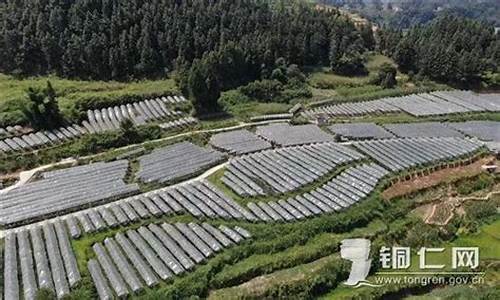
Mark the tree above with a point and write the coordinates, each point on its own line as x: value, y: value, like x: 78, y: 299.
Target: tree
x: 449, y: 49
x: 100, y: 39
x: 405, y: 56
x: 350, y: 64
x: 129, y: 131
x: 42, y: 109
x: 386, y: 76
x: 51, y: 106
x: 203, y: 87
x: 367, y: 36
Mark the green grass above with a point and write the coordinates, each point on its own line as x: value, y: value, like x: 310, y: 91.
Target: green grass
x: 71, y: 92
x: 486, y: 239
x: 324, y: 78
x: 319, y: 246
x: 333, y: 88
x: 249, y: 109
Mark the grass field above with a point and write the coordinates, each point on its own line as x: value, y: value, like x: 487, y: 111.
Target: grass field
x: 323, y: 78
x: 486, y: 239
x: 288, y: 267
x: 74, y: 92
x: 332, y: 87
x: 248, y: 109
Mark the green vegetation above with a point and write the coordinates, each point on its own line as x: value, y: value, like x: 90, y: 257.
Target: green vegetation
x: 481, y: 182
x: 75, y: 97
x: 386, y: 76
x: 42, y: 109
x: 323, y: 78
x: 460, y: 292
x: 97, y: 40
x: 315, y: 277
x: 330, y: 88
x: 485, y: 238
x: 449, y: 49
x: 319, y: 246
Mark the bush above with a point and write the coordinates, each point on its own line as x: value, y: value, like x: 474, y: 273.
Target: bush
x: 232, y: 97
x: 293, y: 72
x: 470, y: 185
x: 290, y: 94
x: 422, y: 235
x: 263, y: 90
x: 94, y: 143
x: 350, y: 64
x: 479, y: 211
x: 45, y: 294
x: 386, y: 76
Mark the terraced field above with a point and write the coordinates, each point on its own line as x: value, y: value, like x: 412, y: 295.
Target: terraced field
x: 154, y: 223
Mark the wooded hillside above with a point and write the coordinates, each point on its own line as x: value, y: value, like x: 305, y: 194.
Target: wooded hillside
x: 112, y: 39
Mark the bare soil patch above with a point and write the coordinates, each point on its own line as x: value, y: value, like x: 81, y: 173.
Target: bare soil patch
x: 445, y: 175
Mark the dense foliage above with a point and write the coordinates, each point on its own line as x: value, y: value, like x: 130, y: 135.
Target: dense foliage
x: 386, y: 76
x: 103, y: 39
x: 449, y: 49
x: 42, y: 109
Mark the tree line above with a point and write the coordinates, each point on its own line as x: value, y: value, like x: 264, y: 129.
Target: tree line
x: 449, y: 49
x: 122, y: 40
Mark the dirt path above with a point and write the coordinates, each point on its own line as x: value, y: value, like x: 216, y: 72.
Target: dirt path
x: 407, y: 187
x: 450, y: 206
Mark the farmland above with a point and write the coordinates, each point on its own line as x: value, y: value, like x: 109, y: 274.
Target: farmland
x: 244, y: 150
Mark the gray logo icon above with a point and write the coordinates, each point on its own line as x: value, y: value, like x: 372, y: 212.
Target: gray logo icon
x: 357, y: 251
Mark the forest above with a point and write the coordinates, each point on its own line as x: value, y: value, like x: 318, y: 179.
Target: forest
x: 102, y: 39
x: 449, y: 49
x: 260, y: 47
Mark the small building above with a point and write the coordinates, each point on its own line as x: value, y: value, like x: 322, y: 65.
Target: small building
x: 321, y: 119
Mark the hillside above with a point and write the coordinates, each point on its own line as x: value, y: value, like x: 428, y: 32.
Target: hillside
x: 402, y: 14
x: 101, y: 40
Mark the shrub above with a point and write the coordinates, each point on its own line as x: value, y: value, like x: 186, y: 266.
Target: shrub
x: 350, y: 64
x: 45, y: 294
x: 386, y: 76
x: 232, y: 97
x: 263, y: 90
x: 479, y: 211
x: 470, y: 185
